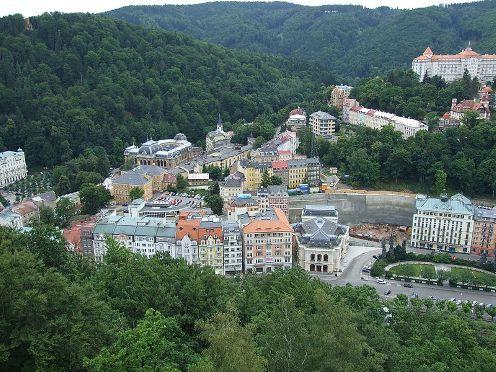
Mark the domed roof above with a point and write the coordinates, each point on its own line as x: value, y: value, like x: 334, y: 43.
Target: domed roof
x: 180, y: 137
x: 468, y: 52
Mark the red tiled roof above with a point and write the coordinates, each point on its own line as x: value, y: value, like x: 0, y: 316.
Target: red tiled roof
x: 280, y: 164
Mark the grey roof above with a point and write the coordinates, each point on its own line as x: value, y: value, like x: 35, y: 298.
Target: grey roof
x: 323, y: 115
x: 320, y: 210
x: 482, y: 213
x: 280, y: 190
x: 131, y: 178
x: 135, y: 226
x: 48, y: 196
x: 231, y: 227
x: 210, y: 224
x: 231, y: 182
x: 244, y: 201
x: 152, y: 170
x: 320, y: 232
x: 456, y: 204
x: 303, y: 162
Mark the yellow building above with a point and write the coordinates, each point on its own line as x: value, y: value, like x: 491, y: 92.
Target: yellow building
x: 122, y: 186
x: 253, y: 172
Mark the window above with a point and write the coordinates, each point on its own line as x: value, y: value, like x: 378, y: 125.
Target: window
x: 312, y: 257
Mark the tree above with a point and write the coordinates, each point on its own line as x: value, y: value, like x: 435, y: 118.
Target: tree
x: 93, y: 197
x: 65, y: 209
x: 259, y: 141
x: 214, y: 189
x: 230, y: 345
x: 63, y: 185
x: 470, y: 118
x: 275, y: 180
x: 157, y: 344
x: 265, y: 179
x: 439, y: 182
x: 47, y: 216
x: 181, y: 183
x: 363, y: 170
x: 136, y: 193
x: 215, y: 203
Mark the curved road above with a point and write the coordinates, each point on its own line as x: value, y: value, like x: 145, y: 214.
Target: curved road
x: 353, y: 275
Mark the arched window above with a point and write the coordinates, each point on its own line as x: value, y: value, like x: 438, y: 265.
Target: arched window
x: 312, y: 257
x: 319, y: 257
x: 324, y: 269
x: 312, y: 267
x: 326, y: 258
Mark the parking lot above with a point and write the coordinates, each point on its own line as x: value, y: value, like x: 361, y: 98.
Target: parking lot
x: 180, y: 200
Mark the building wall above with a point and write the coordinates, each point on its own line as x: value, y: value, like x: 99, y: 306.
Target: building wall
x: 266, y: 251
x: 120, y: 192
x: 12, y: 167
x: 484, y: 237
x: 442, y: 231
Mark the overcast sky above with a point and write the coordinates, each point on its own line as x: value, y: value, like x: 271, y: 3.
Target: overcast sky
x: 35, y: 7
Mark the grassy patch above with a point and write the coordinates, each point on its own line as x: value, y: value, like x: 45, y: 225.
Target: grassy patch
x: 415, y: 271
x: 468, y: 276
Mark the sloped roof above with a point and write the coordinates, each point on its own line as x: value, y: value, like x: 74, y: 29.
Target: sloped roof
x: 131, y: 178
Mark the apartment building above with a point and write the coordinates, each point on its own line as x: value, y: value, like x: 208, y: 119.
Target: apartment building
x: 322, y: 124
x: 267, y: 242
x: 144, y: 235
x: 484, y: 236
x: 233, y: 247
x: 12, y: 167
x: 306, y: 170
x: 273, y: 196
x: 444, y: 224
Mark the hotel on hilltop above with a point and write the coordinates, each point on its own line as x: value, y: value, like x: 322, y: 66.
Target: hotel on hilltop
x: 452, y: 66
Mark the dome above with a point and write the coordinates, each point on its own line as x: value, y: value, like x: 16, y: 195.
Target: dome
x: 180, y: 137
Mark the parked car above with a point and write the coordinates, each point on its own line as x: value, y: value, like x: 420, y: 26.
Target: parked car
x: 381, y: 281
x: 388, y: 292
x: 408, y: 285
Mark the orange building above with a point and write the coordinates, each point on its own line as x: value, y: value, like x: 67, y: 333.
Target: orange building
x: 268, y: 242
x: 484, y: 235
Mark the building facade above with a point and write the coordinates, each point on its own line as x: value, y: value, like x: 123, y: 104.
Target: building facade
x: 297, y: 119
x: 326, y: 212
x: 355, y: 114
x: 322, y: 124
x: 167, y: 153
x: 338, y: 95
x: 322, y: 243
x: 233, y: 248
x: 273, y: 196
x: 146, y: 235
x: 217, y: 138
x: 443, y: 224
x: 452, y: 66
x: 267, y: 240
x: 484, y: 236
x: 12, y: 167
x: 123, y: 184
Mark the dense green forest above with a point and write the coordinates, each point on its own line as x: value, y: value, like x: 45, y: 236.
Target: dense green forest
x: 353, y: 40
x: 60, y: 312
x: 79, y: 81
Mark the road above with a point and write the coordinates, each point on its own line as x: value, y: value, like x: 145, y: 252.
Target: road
x: 352, y: 274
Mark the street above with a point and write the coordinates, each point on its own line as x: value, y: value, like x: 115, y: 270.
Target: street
x: 352, y: 274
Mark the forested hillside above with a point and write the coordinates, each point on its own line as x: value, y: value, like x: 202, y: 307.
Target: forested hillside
x: 60, y: 313
x: 78, y: 81
x: 352, y: 40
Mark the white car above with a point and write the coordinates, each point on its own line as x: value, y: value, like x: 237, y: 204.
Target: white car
x: 381, y: 281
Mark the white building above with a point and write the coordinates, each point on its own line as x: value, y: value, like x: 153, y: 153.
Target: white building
x: 297, y: 119
x: 144, y: 235
x: 233, y: 247
x: 443, y: 223
x: 374, y: 119
x: 451, y: 67
x: 322, y: 244
x: 12, y: 167
x: 322, y: 124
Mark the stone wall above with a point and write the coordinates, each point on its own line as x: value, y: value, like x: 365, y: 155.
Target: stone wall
x: 356, y: 208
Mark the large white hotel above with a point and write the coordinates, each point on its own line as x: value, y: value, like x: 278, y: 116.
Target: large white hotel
x: 12, y: 167
x: 452, y: 66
